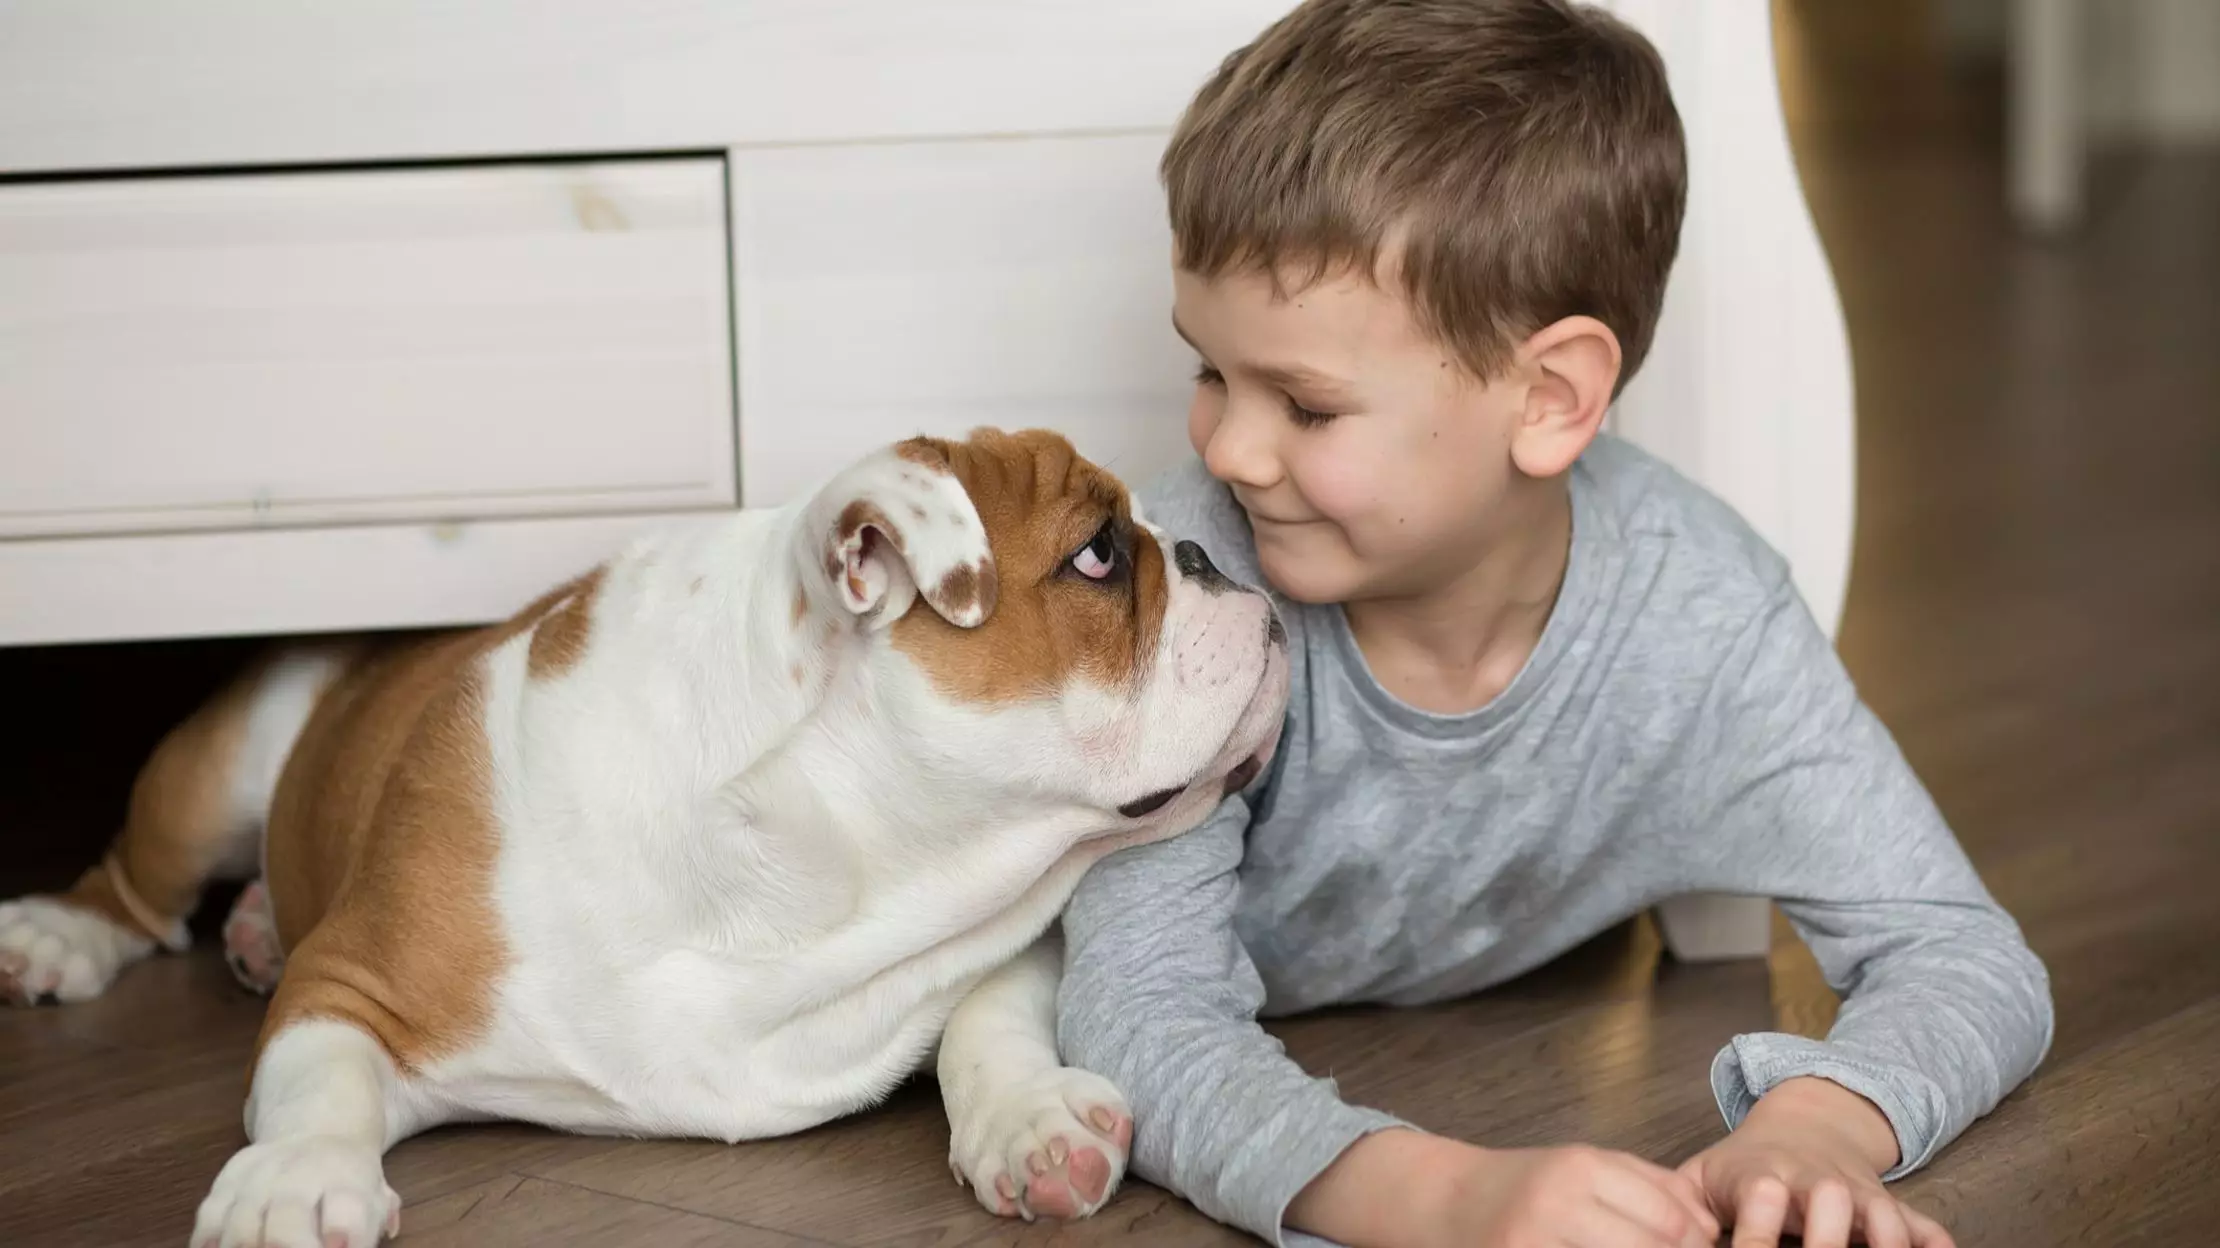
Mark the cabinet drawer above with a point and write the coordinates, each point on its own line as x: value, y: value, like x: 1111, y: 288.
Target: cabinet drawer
x: 407, y: 344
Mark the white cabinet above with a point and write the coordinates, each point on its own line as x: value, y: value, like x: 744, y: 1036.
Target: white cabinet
x: 891, y: 289
x: 376, y: 316
x: 313, y: 348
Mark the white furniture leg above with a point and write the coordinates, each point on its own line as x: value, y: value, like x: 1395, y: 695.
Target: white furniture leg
x: 1751, y: 316
x: 1716, y: 927
x: 2043, y: 116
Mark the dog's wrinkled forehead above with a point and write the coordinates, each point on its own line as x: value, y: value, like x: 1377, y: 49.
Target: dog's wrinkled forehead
x: 1081, y: 587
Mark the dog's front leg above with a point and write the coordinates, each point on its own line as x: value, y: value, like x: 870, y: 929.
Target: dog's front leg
x: 318, y: 1118
x: 1031, y: 1135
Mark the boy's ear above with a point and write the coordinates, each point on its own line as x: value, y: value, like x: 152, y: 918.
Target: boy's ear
x: 1571, y: 368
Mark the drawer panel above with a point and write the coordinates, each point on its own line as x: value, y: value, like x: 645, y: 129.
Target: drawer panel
x: 407, y: 344
x: 889, y: 289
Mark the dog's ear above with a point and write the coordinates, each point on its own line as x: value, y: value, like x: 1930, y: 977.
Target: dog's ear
x: 897, y: 526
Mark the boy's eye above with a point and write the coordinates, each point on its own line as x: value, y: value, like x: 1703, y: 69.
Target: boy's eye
x: 1304, y: 418
x: 1098, y: 558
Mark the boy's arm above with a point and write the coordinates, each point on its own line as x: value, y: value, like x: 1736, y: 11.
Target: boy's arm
x: 1160, y: 998
x: 1808, y: 800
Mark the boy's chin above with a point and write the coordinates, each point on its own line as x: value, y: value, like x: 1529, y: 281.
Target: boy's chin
x: 1314, y: 577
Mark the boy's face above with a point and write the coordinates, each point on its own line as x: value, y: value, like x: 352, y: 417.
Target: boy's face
x: 1369, y: 460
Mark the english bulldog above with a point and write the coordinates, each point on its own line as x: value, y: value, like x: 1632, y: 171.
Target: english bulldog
x: 722, y: 840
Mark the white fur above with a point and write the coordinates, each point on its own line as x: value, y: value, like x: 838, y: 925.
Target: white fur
x: 48, y: 946
x: 751, y: 869
x: 284, y: 697
x: 745, y: 907
x: 321, y: 1113
x: 1011, y: 1102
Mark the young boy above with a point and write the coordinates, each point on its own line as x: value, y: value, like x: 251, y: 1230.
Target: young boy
x: 1542, y: 682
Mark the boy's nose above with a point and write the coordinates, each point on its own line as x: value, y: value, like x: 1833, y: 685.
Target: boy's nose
x: 1240, y: 450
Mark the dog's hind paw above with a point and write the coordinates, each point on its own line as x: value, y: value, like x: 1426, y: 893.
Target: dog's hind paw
x: 51, y: 949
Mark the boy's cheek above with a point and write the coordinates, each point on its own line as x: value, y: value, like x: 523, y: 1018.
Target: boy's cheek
x: 1344, y: 485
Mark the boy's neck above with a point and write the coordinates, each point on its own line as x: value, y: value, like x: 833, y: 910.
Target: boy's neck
x: 1457, y: 644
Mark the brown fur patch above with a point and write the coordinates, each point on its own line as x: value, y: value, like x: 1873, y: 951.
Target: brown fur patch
x: 925, y: 452
x: 559, y: 636
x: 801, y: 605
x: 1040, y: 503
x: 860, y: 513
x: 180, y: 824
x: 381, y: 847
x: 966, y: 588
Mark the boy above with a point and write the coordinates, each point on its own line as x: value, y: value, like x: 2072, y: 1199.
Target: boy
x: 1542, y: 682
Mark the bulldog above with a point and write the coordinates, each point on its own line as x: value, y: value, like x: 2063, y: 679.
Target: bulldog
x: 724, y: 839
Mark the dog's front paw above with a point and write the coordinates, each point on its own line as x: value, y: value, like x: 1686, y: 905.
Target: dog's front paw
x: 317, y: 1192
x: 50, y: 948
x: 1050, y: 1145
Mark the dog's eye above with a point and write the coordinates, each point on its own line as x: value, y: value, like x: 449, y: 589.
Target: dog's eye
x: 1098, y: 558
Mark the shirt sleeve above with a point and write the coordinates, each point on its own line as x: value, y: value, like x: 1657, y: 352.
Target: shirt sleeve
x: 1945, y: 1009
x: 1159, y: 997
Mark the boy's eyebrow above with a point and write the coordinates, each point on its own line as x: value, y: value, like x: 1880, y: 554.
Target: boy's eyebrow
x: 1294, y: 375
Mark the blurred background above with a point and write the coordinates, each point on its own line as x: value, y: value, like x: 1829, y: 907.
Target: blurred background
x: 2019, y: 203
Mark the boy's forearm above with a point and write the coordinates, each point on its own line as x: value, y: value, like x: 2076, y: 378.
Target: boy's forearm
x: 1223, y: 1117
x: 1938, y: 1031
x: 1380, y: 1193
x: 1159, y: 997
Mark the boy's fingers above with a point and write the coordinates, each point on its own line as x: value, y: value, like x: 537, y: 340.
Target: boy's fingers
x: 1926, y: 1232
x: 1884, y: 1223
x: 1828, y: 1213
x: 1760, y: 1208
x: 1641, y: 1197
x: 1680, y: 1187
x: 1601, y: 1226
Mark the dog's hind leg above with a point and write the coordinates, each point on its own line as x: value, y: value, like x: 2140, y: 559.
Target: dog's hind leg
x: 1032, y: 1136
x: 196, y: 815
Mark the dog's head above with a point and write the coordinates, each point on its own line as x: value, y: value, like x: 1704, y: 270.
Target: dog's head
x: 1033, y: 642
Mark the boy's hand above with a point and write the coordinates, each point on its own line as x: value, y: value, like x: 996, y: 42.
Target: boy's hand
x: 1808, y: 1159
x: 1400, y: 1188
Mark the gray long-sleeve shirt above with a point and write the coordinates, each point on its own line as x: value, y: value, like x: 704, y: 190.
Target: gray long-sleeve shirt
x: 1682, y: 726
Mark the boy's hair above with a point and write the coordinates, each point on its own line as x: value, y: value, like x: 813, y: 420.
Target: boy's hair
x: 1515, y: 161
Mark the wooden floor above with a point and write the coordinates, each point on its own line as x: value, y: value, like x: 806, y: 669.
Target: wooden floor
x: 2036, y: 612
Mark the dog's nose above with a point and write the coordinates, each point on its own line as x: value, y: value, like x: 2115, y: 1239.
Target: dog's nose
x: 1195, y: 565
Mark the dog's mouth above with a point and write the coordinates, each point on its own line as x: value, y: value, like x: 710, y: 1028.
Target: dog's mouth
x: 1144, y: 807
x: 1243, y: 776
x: 1236, y: 780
